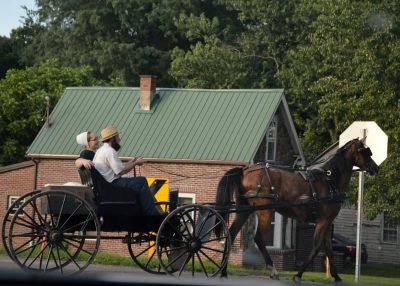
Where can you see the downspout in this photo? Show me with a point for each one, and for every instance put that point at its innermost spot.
(35, 180)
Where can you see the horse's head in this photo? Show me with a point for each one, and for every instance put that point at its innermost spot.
(362, 156)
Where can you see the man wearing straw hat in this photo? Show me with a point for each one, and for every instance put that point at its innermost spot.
(110, 166)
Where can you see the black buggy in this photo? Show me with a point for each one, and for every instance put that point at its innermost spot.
(61, 228)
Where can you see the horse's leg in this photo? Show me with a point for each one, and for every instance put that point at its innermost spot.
(329, 253)
(319, 235)
(264, 222)
(237, 224)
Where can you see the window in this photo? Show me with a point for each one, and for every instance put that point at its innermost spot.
(13, 199)
(186, 199)
(274, 239)
(271, 140)
(390, 230)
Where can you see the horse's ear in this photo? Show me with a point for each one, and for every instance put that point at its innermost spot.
(362, 140)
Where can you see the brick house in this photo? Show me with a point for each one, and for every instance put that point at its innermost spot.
(190, 136)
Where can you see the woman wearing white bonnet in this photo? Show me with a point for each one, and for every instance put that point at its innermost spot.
(90, 140)
(82, 139)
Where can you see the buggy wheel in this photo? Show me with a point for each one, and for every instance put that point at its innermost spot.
(142, 248)
(8, 217)
(186, 237)
(54, 231)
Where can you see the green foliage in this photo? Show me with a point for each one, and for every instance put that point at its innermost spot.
(118, 39)
(245, 52)
(23, 104)
(9, 57)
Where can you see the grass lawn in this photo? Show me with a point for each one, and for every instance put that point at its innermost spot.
(370, 274)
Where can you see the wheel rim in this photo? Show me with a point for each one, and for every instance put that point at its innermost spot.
(142, 250)
(54, 231)
(186, 237)
(7, 221)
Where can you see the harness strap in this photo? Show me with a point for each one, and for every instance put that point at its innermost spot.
(258, 193)
(311, 179)
(254, 194)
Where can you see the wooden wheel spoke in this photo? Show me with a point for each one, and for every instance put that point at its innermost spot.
(184, 264)
(72, 214)
(31, 224)
(176, 259)
(213, 249)
(48, 258)
(82, 223)
(50, 210)
(70, 256)
(61, 210)
(59, 259)
(30, 247)
(78, 247)
(210, 259)
(40, 217)
(40, 254)
(204, 222)
(202, 264)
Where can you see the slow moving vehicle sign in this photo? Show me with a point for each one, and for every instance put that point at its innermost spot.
(160, 190)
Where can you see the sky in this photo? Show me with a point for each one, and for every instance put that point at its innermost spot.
(11, 13)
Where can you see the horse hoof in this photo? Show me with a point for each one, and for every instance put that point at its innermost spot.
(296, 280)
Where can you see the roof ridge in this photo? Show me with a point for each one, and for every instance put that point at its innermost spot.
(173, 88)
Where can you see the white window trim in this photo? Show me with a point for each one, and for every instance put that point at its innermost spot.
(277, 231)
(188, 196)
(11, 200)
(395, 227)
(274, 139)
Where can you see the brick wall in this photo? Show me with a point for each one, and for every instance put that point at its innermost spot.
(16, 180)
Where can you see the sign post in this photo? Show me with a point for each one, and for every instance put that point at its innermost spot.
(376, 140)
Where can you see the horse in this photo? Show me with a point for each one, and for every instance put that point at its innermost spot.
(310, 200)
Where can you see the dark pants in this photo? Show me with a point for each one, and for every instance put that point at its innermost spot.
(141, 188)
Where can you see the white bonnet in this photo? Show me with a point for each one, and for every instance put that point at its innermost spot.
(81, 139)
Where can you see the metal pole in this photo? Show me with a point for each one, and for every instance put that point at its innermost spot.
(359, 225)
(361, 178)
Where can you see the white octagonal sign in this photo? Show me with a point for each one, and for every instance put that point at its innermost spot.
(376, 140)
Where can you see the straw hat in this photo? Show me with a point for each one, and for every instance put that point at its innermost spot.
(81, 139)
(108, 132)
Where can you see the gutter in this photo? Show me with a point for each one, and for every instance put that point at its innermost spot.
(149, 160)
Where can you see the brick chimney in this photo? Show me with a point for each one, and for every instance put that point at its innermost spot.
(147, 91)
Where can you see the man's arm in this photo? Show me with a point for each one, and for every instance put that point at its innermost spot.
(80, 162)
(131, 164)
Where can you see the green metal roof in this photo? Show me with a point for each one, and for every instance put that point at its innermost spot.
(222, 125)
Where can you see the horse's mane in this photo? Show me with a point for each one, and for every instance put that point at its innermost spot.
(332, 160)
(336, 164)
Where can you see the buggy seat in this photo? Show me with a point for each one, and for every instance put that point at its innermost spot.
(117, 208)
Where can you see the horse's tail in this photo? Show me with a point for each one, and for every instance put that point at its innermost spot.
(229, 184)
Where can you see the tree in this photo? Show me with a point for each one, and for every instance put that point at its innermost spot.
(346, 70)
(23, 105)
(247, 51)
(118, 39)
(8, 56)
